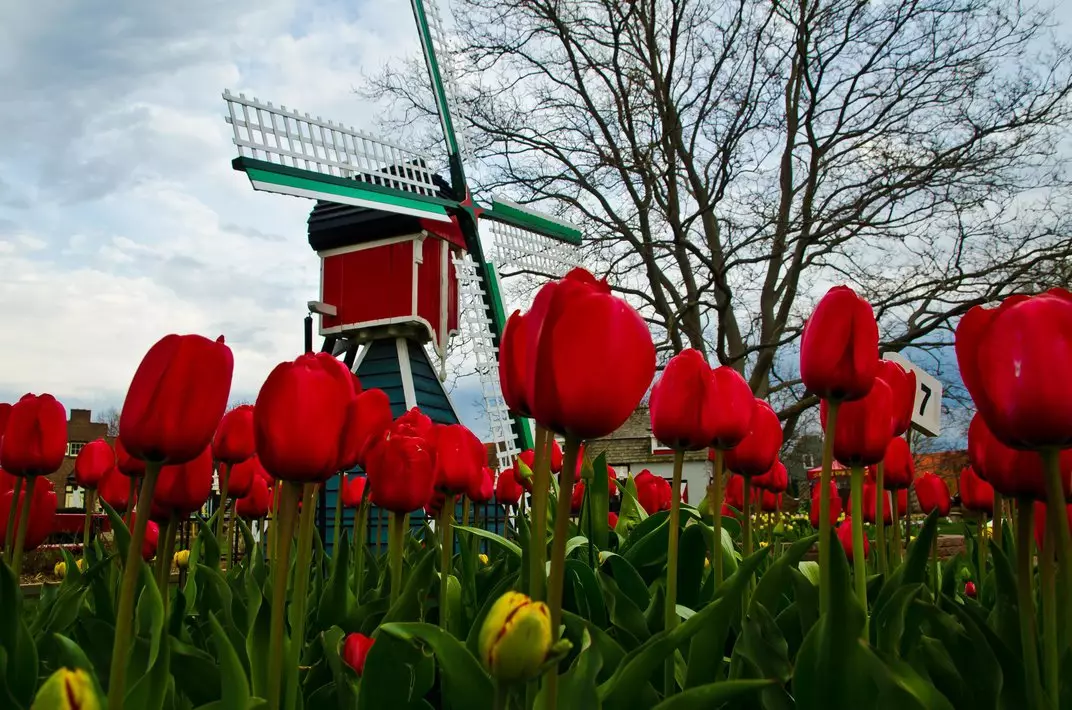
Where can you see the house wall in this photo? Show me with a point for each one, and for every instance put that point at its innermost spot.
(80, 431)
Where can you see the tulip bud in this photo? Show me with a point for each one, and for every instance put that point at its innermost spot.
(60, 569)
(483, 558)
(182, 559)
(67, 689)
(516, 638)
(969, 589)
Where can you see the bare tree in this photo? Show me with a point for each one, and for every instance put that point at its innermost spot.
(110, 417)
(730, 160)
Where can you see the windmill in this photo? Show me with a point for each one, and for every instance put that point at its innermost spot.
(402, 262)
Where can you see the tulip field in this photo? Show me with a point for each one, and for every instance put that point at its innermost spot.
(737, 602)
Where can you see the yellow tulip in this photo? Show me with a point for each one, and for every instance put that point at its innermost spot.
(182, 559)
(67, 689)
(515, 638)
(483, 558)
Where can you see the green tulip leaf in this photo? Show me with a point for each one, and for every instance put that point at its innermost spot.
(394, 669)
(465, 683)
(627, 577)
(713, 695)
(499, 540)
(773, 584)
(810, 570)
(196, 672)
(692, 554)
(235, 684)
(577, 686)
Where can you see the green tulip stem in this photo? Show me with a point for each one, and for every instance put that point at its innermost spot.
(301, 592)
(980, 548)
(169, 548)
(670, 611)
(124, 614)
(859, 561)
(935, 579)
(395, 541)
(23, 526)
(360, 533)
(714, 497)
(132, 501)
(824, 507)
(90, 506)
(895, 548)
(558, 554)
(1050, 657)
(1057, 521)
(999, 519)
(13, 513)
(379, 532)
(1029, 644)
(465, 511)
(446, 548)
(161, 554)
(541, 482)
(502, 695)
(286, 511)
(338, 517)
(880, 517)
(221, 524)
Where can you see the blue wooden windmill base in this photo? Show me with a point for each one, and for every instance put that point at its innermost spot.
(381, 367)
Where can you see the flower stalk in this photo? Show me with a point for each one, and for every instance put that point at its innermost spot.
(824, 507)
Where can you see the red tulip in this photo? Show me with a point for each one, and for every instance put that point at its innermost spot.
(769, 501)
(1040, 523)
(653, 492)
(435, 504)
(483, 492)
(839, 347)
(776, 480)
(835, 504)
(870, 491)
(902, 385)
(612, 520)
(682, 406)
(353, 490)
(301, 415)
(932, 494)
(414, 423)
(42, 513)
(241, 475)
(507, 490)
(734, 407)
(556, 456)
(183, 488)
(152, 538)
(578, 497)
(899, 468)
(7, 481)
(1016, 362)
(372, 419)
(975, 493)
(756, 454)
(459, 458)
(579, 361)
(355, 650)
(234, 436)
(5, 413)
(844, 533)
(969, 589)
(256, 503)
(864, 427)
(177, 398)
(114, 489)
(734, 494)
(401, 473)
(35, 438)
(94, 460)
(128, 465)
(1012, 473)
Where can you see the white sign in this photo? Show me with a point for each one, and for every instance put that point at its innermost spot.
(927, 413)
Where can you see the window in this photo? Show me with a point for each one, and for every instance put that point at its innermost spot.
(74, 447)
(657, 449)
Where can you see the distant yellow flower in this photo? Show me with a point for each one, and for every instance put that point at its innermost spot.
(60, 569)
(182, 559)
(483, 558)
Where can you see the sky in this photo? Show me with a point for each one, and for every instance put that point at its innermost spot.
(121, 219)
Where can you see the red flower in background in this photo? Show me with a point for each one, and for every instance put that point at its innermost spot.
(177, 398)
(241, 476)
(612, 520)
(757, 453)
(870, 493)
(128, 465)
(301, 414)
(775, 480)
(844, 533)
(42, 513)
(899, 468)
(484, 491)
(94, 460)
(1016, 362)
(233, 442)
(152, 538)
(735, 406)
(932, 494)
(579, 361)
(459, 458)
(114, 489)
(401, 471)
(35, 438)
(902, 385)
(864, 427)
(353, 489)
(835, 504)
(1012, 473)
(256, 503)
(507, 490)
(975, 493)
(734, 494)
(183, 488)
(769, 501)
(355, 650)
(682, 406)
(653, 492)
(372, 419)
(839, 347)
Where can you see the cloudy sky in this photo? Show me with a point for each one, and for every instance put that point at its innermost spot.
(120, 217)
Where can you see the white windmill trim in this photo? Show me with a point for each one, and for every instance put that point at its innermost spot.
(387, 241)
(405, 370)
(344, 200)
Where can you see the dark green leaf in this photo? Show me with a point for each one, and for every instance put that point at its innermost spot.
(713, 695)
(465, 684)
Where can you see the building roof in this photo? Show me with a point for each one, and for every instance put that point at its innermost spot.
(631, 443)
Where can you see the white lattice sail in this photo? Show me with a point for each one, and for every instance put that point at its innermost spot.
(515, 249)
